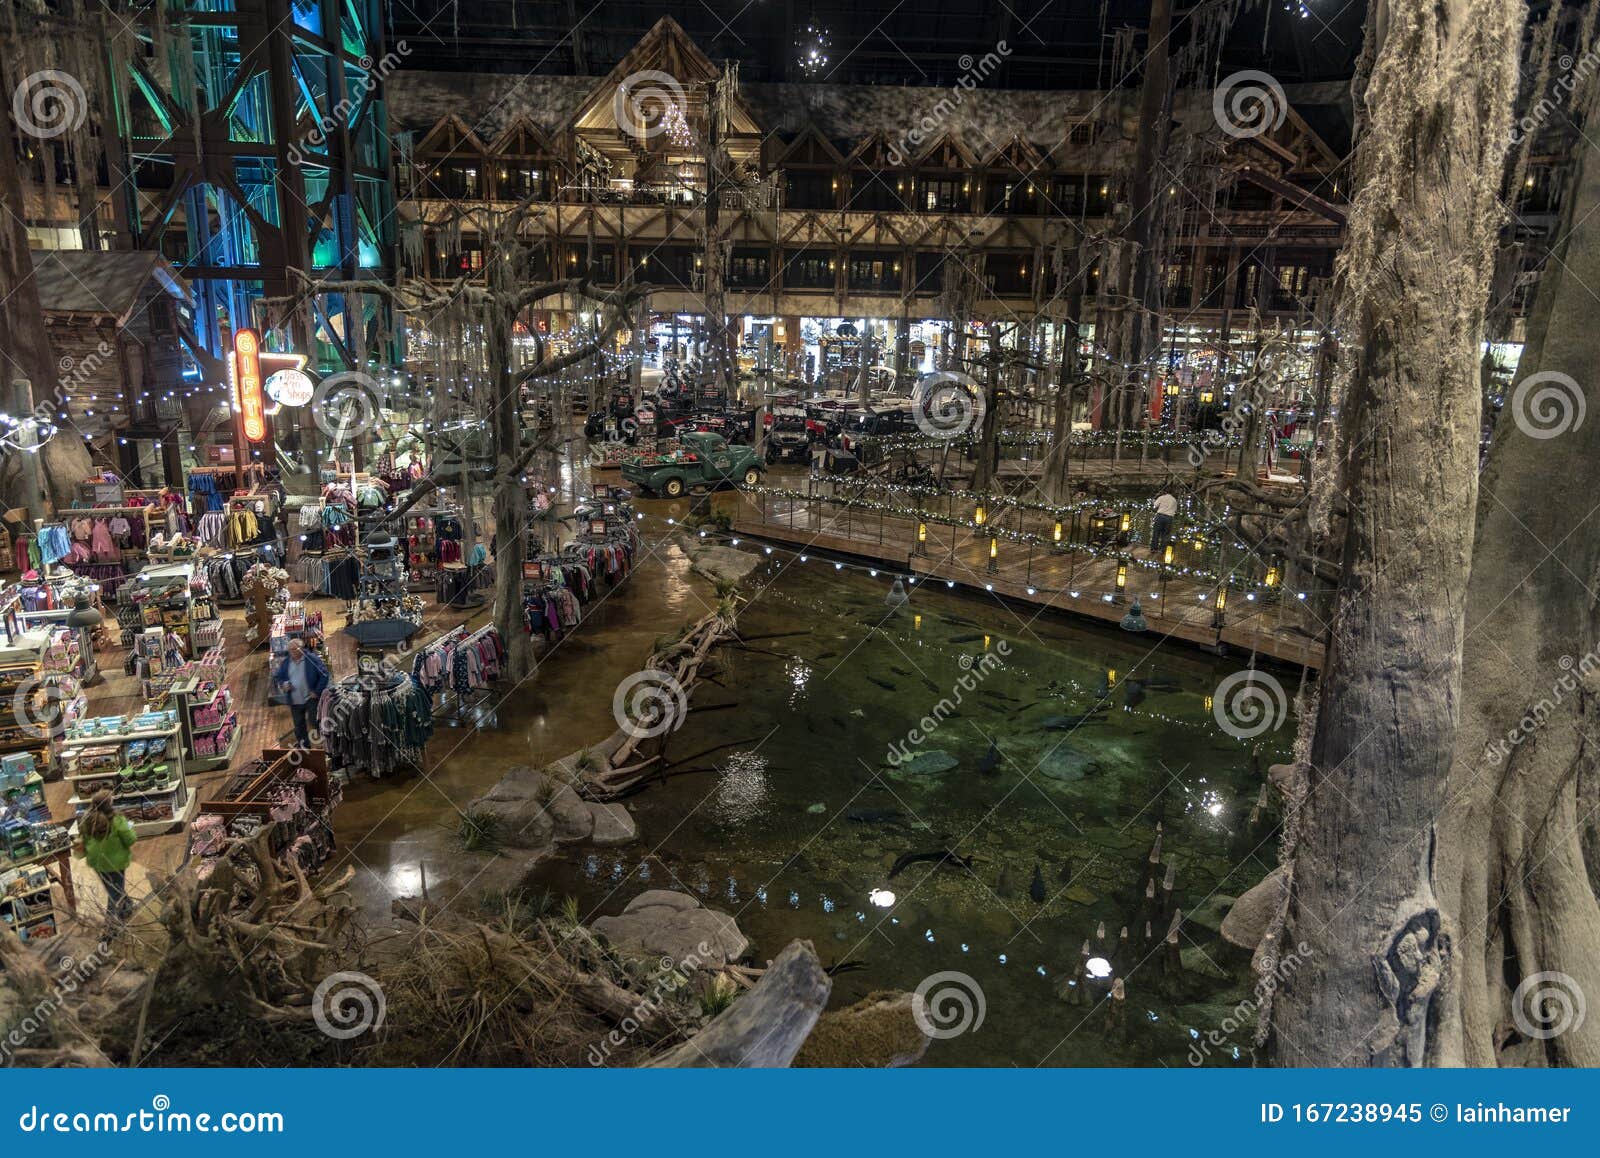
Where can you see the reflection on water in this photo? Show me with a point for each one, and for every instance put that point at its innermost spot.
(1083, 778)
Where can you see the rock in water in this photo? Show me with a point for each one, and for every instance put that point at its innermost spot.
(927, 764)
(673, 924)
(1036, 886)
(1066, 764)
(897, 595)
(1247, 921)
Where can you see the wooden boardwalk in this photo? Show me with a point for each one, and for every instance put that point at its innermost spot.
(1282, 627)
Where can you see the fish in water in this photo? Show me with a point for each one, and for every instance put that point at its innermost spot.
(931, 686)
(993, 695)
(990, 761)
(938, 856)
(966, 638)
(1003, 885)
(1135, 695)
(849, 966)
(872, 815)
(1036, 886)
(1161, 685)
(884, 684)
(858, 712)
(826, 655)
(899, 671)
(1067, 723)
(1066, 871)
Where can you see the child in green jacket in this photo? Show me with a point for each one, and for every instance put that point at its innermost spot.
(108, 847)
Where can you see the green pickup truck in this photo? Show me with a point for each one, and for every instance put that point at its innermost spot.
(704, 460)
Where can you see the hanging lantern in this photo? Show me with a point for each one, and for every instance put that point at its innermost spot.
(1122, 577)
(1056, 534)
(1111, 677)
(1222, 599)
(1166, 555)
(994, 548)
(1127, 521)
(1272, 576)
(977, 515)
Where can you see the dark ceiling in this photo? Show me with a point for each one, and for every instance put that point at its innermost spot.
(1053, 43)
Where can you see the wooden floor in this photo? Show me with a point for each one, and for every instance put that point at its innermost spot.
(1282, 628)
(261, 725)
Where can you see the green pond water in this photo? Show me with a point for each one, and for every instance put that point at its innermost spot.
(766, 835)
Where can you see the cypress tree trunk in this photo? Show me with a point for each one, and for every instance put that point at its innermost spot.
(1519, 848)
(1363, 849)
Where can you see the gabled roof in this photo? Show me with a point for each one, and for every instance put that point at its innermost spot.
(76, 281)
(665, 49)
(451, 135)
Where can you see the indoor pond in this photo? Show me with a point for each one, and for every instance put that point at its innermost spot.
(1046, 755)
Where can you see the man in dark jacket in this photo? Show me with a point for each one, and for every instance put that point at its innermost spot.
(302, 678)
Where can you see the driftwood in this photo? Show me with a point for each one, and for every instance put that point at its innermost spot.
(678, 666)
(767, 1026)
(256, 929)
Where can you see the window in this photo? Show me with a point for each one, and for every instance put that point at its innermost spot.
(1067, 193)
(522, 179)
(601, 268)
(930, 273)
(1081, 133)
(1009, 275)
(665, 265)
(809, 190)
(875, 272)
(749, 269)
(879, 191)
(1177, 280)
(1099, 193)
(941, 195)
(452, 179)
(809, 269)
